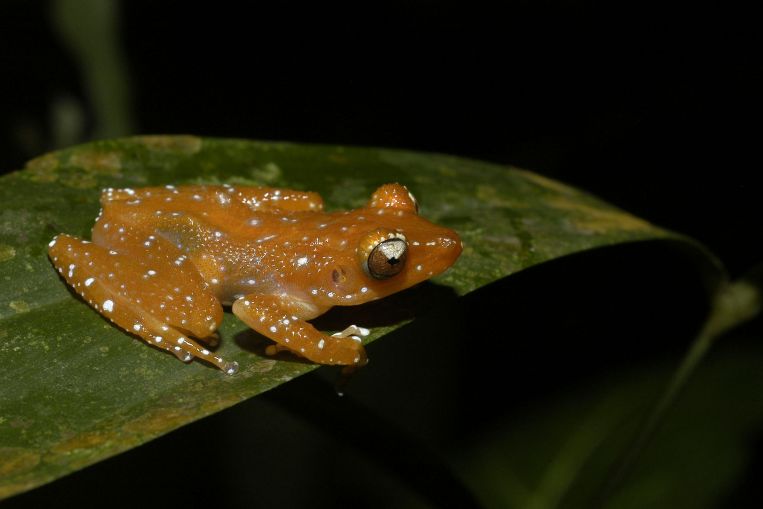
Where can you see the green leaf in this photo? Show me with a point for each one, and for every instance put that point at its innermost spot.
(75, 389)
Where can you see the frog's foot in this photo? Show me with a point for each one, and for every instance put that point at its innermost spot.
(353, 332)
(276, 317)
(115, 285)
(182, 346)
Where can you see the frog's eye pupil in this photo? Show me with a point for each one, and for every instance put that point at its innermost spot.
(387, 258)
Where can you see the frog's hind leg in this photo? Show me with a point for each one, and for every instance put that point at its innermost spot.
(140, 298)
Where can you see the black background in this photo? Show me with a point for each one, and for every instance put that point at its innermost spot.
(656, 109)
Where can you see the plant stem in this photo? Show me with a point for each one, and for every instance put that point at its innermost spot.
(734, 304)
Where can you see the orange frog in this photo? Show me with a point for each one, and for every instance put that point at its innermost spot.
(164, 260)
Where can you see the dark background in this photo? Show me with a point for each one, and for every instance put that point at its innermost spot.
(656, 109)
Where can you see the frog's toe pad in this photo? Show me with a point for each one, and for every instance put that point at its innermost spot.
(354, 332)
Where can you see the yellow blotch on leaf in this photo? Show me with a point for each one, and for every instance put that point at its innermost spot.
(593, 220)
(97, 161)
(19, 306)
(15, 460)
(6, 252)
(43, 168)
(182, 144)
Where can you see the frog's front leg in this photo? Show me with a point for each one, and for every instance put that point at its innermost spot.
(154, 299)
(277, 318)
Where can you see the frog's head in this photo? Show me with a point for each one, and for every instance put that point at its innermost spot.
(389, 248)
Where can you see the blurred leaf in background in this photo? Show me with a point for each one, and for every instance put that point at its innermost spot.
(66, 76)
(90, 31)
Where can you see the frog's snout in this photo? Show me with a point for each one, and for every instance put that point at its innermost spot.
(433, 256)
(452, 246)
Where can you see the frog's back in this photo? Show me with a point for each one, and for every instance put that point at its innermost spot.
(230, 199)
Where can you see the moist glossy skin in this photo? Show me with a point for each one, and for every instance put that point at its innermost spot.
(164, 260)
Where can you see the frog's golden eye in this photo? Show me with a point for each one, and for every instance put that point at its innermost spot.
(387, 258)
(383, 253)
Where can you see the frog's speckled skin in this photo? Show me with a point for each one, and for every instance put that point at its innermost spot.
(164, 260)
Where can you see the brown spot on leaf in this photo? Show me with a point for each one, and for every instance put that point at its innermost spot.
(493, 197)
(98, 161)
(338, 158)
(262, 366)
(43, 168)
(86, 440)
(182, 144)
(19, 306)
(15, 460)
(156, 421)
(547, 183)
